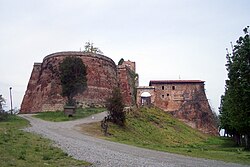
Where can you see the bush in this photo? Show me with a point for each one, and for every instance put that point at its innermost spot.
(3, 116)
(115, 108)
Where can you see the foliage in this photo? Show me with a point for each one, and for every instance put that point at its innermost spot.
(73, 77)
(115, 107)
(3, 115)
(59, 116)
(134, 76)
(121, 61)
(235, 106)
(89, 48)
(155, 129)
(19, 148)
(2, 102)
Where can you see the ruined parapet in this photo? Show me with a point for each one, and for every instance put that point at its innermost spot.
(44, 88)
(128, 81)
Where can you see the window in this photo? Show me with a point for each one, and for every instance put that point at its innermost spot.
(173, 87)
(162, 87)
(162, 96)
(168, 94)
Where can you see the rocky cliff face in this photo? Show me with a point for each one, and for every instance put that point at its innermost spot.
(44, 88)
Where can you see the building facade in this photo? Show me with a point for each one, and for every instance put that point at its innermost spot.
(184, 99)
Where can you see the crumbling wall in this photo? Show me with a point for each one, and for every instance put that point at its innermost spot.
(128, 81)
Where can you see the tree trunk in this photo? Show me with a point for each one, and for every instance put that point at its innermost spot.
(247, 142)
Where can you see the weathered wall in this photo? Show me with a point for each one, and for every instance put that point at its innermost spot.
(184, 99)
(44, 89)
(142, 89)
(127, 82)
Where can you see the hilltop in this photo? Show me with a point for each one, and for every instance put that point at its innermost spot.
(155, 129)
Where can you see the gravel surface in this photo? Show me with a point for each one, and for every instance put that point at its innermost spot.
(104, 153)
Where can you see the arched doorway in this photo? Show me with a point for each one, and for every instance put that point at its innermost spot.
(145, 99)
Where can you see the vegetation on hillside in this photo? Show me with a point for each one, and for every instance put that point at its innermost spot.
(59, 116)
(73, 77)
(235, 103)
(19, 148)
(155, 129)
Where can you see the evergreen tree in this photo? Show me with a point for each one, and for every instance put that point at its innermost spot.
(235, 104)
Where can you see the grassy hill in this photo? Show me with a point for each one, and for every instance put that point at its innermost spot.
(154, 129)
(19, 148)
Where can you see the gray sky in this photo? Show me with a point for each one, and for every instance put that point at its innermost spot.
(167, 39)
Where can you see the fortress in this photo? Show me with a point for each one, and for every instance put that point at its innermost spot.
(184, 99)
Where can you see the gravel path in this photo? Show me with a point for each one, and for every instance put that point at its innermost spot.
(104, 153)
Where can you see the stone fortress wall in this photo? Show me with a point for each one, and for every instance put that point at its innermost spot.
(44, 91)
(184, 99)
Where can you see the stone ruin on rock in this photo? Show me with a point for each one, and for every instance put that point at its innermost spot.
(184, 99)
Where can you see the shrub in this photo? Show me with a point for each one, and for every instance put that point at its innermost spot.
(115, 108)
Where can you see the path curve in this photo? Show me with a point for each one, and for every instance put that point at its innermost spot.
(109, 154)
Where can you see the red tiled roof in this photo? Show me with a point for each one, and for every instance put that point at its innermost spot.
(173, 81)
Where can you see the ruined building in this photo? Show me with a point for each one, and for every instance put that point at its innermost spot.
(184, 99)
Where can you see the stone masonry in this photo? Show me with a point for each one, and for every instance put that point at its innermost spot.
(44, 88)
(184, 99)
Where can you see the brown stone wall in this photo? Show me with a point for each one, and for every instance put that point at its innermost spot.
(126, 85)
(142, 89)
(44, 89)
(186, 100)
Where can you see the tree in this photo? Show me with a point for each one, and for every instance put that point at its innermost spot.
(235, 104)
(3, 115)
(89, 48)
(115, 108)
(121, 61)
(2, 102)
(73, 77)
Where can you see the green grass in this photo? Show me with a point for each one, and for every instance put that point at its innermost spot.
(19, 148)
(59, 116)
(155, 129)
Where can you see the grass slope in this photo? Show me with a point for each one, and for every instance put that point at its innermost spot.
(155, 129)
(59, 116)
(19, 148)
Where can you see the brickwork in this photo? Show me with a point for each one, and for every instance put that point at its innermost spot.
(127, 82)
(44, 89)
(184, 99)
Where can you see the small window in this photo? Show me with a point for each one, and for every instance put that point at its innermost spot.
(162, 87)
(168, 94)
(162, 96)
(173, 87)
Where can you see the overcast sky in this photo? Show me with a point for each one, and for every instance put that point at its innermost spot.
(174, 39)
